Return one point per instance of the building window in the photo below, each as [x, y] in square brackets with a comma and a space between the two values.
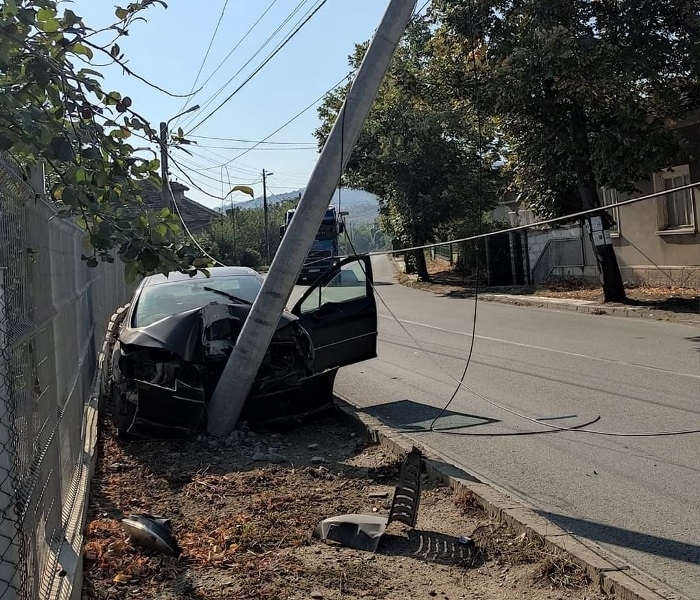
[610, 198]
[676, 208]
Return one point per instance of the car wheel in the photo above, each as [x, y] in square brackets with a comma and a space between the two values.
[123, 413]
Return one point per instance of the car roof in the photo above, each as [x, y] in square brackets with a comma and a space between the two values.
[213, 272]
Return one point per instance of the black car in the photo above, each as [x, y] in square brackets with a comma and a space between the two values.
[179, 332]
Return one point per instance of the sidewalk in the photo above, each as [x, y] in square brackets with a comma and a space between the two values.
[594, 308]
[663, 304]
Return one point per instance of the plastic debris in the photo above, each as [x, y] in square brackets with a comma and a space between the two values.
[152, 532]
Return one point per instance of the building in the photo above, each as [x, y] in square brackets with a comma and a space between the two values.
[196, 216]
[657, 240]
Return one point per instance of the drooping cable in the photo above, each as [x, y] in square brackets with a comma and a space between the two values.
[191, 118]
[480, 193]
[261, 66]
[187, 229]
[204, 60]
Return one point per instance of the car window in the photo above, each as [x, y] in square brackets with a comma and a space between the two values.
[171, 298]
[349, 284]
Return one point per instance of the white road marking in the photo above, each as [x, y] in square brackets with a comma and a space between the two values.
[533, 347]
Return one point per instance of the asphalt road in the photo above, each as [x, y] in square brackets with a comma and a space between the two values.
[638, 497]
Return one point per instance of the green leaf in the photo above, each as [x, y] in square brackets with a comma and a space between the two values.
[10, 8]
[121, 13]
[61, 149]
[45, 14]
[79, 48]
[101, 178]
[131, 271]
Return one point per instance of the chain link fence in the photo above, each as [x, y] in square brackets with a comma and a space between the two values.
[53, 314]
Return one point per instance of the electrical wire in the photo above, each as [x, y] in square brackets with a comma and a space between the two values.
[284, 149]
[261, 66]
[187, 229]
[204, 60]
[220, 139]
[569, 217]
[540, 422]
[221, 64]
[479, 212]
[460, 382]
[294, 118]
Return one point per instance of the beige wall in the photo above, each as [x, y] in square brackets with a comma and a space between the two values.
[642, 243]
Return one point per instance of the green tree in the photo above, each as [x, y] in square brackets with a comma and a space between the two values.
[419, 154]
[583, 91]
[366, 237]
[55, 110]
[238, 238]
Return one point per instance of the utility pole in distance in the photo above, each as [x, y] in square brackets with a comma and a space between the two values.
[165, 195]
[265, 214]
[164, 190]
[239, 373]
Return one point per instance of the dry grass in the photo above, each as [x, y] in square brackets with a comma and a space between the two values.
[245, 528]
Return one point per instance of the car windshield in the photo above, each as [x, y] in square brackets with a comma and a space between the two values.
[175, 297]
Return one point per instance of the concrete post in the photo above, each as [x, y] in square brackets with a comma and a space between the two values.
[252, 344]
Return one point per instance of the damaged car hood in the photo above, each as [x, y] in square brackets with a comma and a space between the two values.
[181, 334]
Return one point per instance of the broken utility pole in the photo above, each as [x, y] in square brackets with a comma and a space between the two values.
[252, 344]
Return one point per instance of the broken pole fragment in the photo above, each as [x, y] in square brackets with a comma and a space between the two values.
[239, 373]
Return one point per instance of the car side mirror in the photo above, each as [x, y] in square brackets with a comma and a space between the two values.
[341, 227]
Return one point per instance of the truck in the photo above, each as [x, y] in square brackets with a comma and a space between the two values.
[324, 249]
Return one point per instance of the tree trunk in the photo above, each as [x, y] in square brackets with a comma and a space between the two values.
[421, 265]
[611, 279]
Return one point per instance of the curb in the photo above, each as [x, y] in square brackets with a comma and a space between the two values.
[592, 309]
[91, 418]
[614, 577]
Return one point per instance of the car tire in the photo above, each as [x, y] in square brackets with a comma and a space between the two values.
[123, 413]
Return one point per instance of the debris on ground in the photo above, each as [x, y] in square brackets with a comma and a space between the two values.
[245, 528]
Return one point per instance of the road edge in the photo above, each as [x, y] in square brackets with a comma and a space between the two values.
[613, 576]
[591, 309]
[91, 420]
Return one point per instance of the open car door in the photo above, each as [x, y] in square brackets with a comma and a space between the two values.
[339, 312]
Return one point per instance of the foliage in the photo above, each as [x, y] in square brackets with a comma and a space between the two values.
[418, 151]
[239, 237]
[583, 91]
[366, 237]
[55, 110]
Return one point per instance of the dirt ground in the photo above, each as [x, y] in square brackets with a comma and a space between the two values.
[245, 526]
[671, 300]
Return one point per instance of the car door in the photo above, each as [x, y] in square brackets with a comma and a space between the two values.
[339, 312]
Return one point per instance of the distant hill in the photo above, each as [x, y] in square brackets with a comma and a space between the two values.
[362, 206]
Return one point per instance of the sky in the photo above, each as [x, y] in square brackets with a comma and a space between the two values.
[170, 47]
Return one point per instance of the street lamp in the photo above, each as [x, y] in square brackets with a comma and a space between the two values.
[165, 187]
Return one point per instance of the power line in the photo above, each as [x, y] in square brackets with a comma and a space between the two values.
[262, 65]
[247, 33]
[480, 145]
[220, 139]
[243, 168]
[569, 217]
[187, 229]
[285, 149]
[221, 89]
[294, 118]
[206, 55]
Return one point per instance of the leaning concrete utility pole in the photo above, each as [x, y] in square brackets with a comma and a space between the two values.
[252, 344]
